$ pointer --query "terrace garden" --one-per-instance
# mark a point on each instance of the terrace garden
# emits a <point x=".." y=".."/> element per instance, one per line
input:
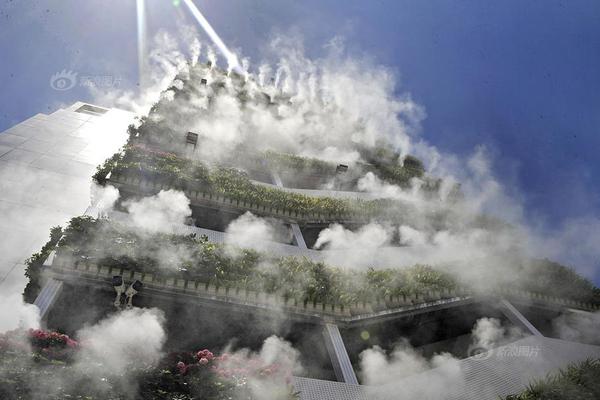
<point x="38" y="361"/>
<point x="108" y="243"/>
<point x="183" y="174"/>
<point x="112" y="244"/>
<point x="156" y="130"/>
<point x="389" y="168"/>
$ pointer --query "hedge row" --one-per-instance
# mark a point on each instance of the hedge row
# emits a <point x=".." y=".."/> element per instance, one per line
<point x="109" y="243"/>
<point x="183" y="174"/>
<point x="113" y="244"/>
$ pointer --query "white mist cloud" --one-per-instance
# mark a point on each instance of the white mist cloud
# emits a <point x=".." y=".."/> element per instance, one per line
<point x="160" y="212"/>
<point x="443" y="372"/>
<point x="380" y="369"/>
<point x="337" y="237"/>
<point x="165" y="60"/>
<point x="488" y="333"/>
<point x="15" y="314"/>
<point x="325" y="107"/>
<point x="576" y="242"/>
<point x="277" y="354"/>
<point x="372" y="184"/>
<point x="250" y="231"/>
<point x="410" y="236"/>
<point x="581" y="327"/>
<point x="278" y="351"/>
<point x="129" y="338"/>
<point x="104" y="197"/>
<point x="484" y="193"/>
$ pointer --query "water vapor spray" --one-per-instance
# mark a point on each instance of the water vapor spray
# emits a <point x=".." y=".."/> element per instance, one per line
<point x="231" y="58"/>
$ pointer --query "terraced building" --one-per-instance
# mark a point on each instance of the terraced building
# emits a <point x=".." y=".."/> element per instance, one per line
<point x="331" y="311"/>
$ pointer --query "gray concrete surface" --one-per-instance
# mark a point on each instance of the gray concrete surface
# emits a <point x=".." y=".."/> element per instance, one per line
<point x="46" y="164"/>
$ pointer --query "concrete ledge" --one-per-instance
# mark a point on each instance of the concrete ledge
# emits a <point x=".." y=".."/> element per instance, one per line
<point x="137" y="185"/>
<point x="88" y="271"/>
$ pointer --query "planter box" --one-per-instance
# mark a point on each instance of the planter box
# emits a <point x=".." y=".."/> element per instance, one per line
<point x="170" y="282"/>
<point x="212" y="290"/>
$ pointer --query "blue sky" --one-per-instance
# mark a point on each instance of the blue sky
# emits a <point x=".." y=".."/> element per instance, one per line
<point x="520" y="77"/>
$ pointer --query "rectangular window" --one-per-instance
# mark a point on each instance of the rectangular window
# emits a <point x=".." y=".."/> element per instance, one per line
<point x="92" y="110"/>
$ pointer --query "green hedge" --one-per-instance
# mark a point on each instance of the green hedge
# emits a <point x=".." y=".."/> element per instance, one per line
<point x="113" y="244"/>
<point x="34" y="264"/>
<point x="550" y="278"/>
<point x="154" y="129"/>
<point x="389" y="167"/>
<point x="183" y="174"/>
<point x="292" y="162"/>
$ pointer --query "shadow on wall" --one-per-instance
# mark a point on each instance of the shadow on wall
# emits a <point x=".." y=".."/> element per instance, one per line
<point x="192" y="327"/>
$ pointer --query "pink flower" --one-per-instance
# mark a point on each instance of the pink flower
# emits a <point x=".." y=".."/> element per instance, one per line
<point x="39" y="334"/>
<point x="205" y="354"/>
<point x="226" y="374"/>
<point x="223" y="373"/>
<point x="55" y="335"/>
<point x="182" y="367"/>
<point x="203" y="361"/>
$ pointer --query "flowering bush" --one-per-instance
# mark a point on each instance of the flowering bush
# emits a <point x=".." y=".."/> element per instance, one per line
<point x="34" y="359"/>
<point x="52" y="345"/>
<point x="44" y="339"/>
<point x="233" y="374"/>
<point x="43" y="345"/>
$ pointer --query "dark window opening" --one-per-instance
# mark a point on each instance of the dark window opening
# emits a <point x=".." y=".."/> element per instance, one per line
<point x="92" y="110"/>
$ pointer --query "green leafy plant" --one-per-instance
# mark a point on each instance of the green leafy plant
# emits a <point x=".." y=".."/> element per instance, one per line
<point x="576" y="382"/>
<point x="34" y="265"/>
<point x="109" y="243"/>
<point x="185" y="175"/>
